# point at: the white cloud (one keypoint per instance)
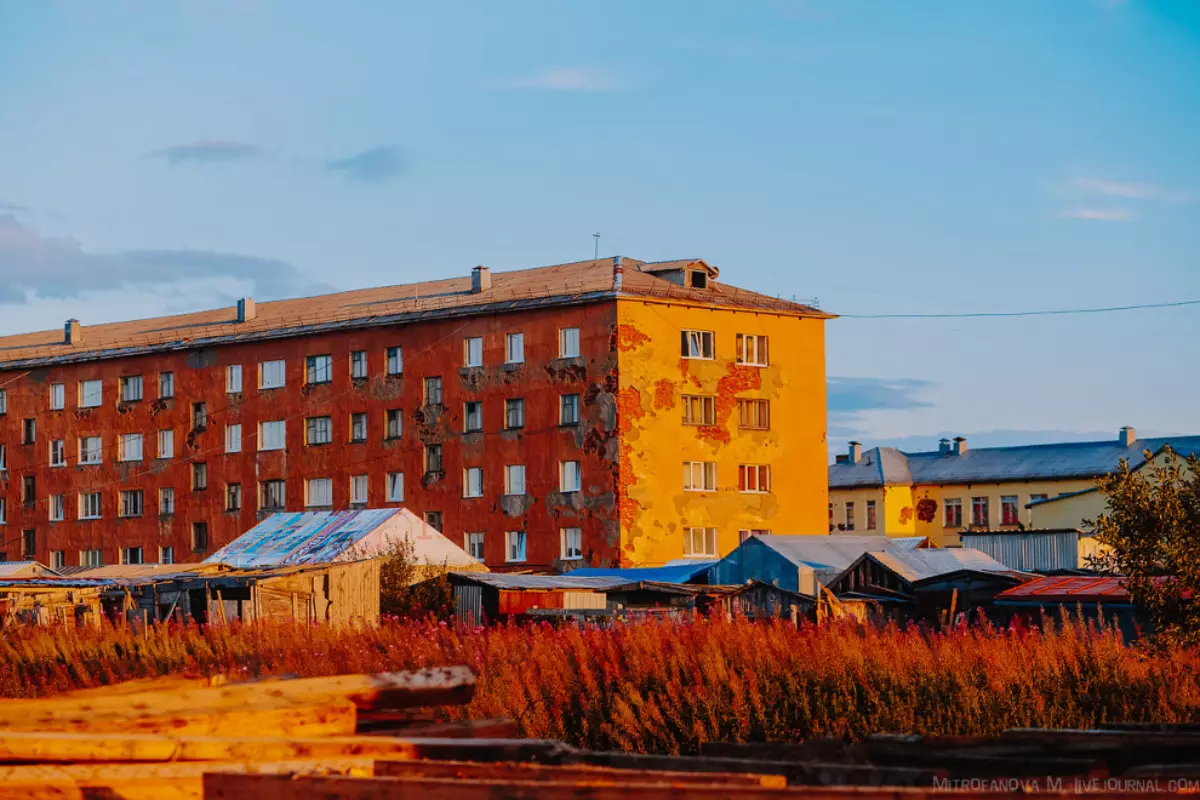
(1135, 191)
(1101, 214)
(565, 79)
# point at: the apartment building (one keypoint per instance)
(603, 412)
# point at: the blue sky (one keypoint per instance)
(883, 157)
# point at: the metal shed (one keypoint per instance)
(1033, 550)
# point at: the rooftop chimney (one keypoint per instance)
(72, 332)
(618, 274)
(246, 309)
(481, 279)
(944, 447)
(854, 452)
(960, 445)
(1127, 436)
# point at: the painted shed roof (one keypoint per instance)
(919, 565)
(1069, 589)
(882, 466)
(671, 573)
(836, 551)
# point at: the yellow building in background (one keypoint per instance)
(941, 493)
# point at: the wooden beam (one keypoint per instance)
(165, 683)
(577, 773)
(467, 729)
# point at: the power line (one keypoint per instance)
(1046, 313)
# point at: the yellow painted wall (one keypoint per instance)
(654, 442)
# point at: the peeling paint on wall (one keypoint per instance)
(629, 338)
(664, 395)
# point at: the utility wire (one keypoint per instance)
(1047, 313)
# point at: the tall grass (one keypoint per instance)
(669, 686)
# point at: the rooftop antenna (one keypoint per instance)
(596, 252)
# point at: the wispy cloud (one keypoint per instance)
(849, 397)
(1098, 214)
(378, 165)
(565, 79)
(14, 208)
(207, 151)
(1135, 191)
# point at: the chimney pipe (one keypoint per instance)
(618, 274)
(246, 309)
(1127, 436)
(481, 279)
(944, 447)
(855, 452)
(960, 445)
(72, 332)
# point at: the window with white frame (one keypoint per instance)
(433, 458)
(272, 435)
(697, 344)
(233, 497)
(57, 508)
(473, 351)
(395, 423)
(514, 348)
(572, 543)
(58, 559)
(3, 401)
(1009, 510)
(358, 427)
(318, 430)
(514, 479)
(514, 546)
(91, 394)
(568, 343)
(199, 476)
(166, 555)
(166, 502)
(472, 416)
(318, 369)
(395, 361)
(699, 409)
(699, 476)
(91, 558)
(953, 512)
(754, 478)
(980, 516)
(166, 385)
(90, 505)
(131, 388)
(568, 409)
(754, 414)
(358, 489)
(570, 477)
(473, 482)
(752, 350)
(358, 364)
(3, 510)
(699, 542)
(166, 444)
(318, 492)
(131, 504)
(58, 397)
(272, 374)
(433, 391)
(58, 453)
(131, 555)
(514, 413)
(200, 415)
(129, 447)
(233, 438)
(473, 544)
(233, 379)
(271, 495)
(3, 457)
(395, 487)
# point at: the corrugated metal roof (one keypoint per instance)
(1070, 589)
(887, 466)
(680, 573)
(919, 565)
(501, 580)
(301, 538)
(10, 569)
(834, 551)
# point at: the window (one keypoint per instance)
(697, 279)
(3, 401)
(358, 364)
(233, 497)
(395, 423)
(3, 511)
(29, 490)
(58, 559)
(871, 519)
(199, 537)
(131, 555)
(166, 502)
(90, 504)
(272, 374)
(434, 520)
(233, 379)
(3, 457)
(473, 544)
(473, 482)
(953, 515)
(699, 476)
(91, 394)
(199, 477)
(754, 478)
(129, 447)
(979, 511)
(318, 492)
(697, 344)
(433, 458)
(358, 489)
(568, 344)
(29, 432)
(29, 545)
(166, 385)
(58, 397)
(433, 391)
(358, 426)
(514, 413)
(131, 503)
(57, 508)
(233, 438)
(166, 555)
(699, 542)
(271, 495)
(752, 350)
(318, 369)
(568, 413)
(166, 444)
(395, 487)
(514, 479)
(569, 477)
(272, 435)
(745, 534)
(754, 414)
(395, 361)
(514, 348)
(1009, 513)
(473, 351)
(699, 410)
(199, 416)
(572, 543)
(58, 453)
(850, 523)
(91, 558)
(514, 546)
(131, 388)
(318, 430)
(473, 416)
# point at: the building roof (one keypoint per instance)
(836, 551)
(671, 573)
(1069, 589)
(1063, 496)
(915, 566)
(886, 466)
(561, 284)
(510, 581)
(15, 569)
